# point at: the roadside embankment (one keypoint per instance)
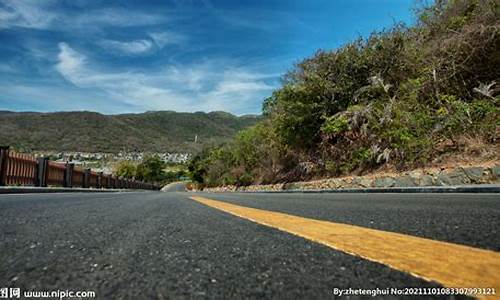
(484, 174)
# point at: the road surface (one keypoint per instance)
(165, 245)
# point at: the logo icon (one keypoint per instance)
(4, 293)
(15, 292)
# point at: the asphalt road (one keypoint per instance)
(164, 245)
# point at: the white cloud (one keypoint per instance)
(117, 17)
(162, 39)
(194, 78)
(238, 90)
(43, 97)
(156, 41)
(70, 63)
(129, 48)
(206, 86)
(25, 13)
(7, 68)
(41, 14)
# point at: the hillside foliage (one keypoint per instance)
(160, 131)
(403, 97)
(150, 169)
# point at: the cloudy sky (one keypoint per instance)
(183, 55)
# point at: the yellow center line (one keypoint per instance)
(449, 264)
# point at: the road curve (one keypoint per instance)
(175, 187)
(165, 245)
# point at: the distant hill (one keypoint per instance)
(158, 131)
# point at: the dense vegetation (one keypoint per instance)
(401, 97)
(151, 169)
(162, 131)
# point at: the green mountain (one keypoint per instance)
(158, 131)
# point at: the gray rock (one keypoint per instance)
(384, 182)
(455, 177)
(405, 181)
(426, 180)
(443, 179)
(366, 182)
(361, 182)
(475, 174)
(495, 171)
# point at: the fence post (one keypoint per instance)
(68, 175)
(99, 180)
(86, 178)
(42, 164)
(4, 155)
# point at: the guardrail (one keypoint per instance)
(21, 169)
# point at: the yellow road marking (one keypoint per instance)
(450, 264)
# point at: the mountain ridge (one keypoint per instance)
(87, 131)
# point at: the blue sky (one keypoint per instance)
(183, 55)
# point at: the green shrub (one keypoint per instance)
(125, 169)
(335, 125)
(390, 98)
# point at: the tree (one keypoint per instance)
(125, 169)
(196, 167)
(151, 168)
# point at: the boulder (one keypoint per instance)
(475, 174)
(426, 180)
(361, 182)
(405, 181)
(384, 182)
(495, 171)
(455, 177)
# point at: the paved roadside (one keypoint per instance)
(468, 219)
(164, 245)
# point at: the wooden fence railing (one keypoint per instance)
(55, 174)
(25, 170)
(19, 169)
